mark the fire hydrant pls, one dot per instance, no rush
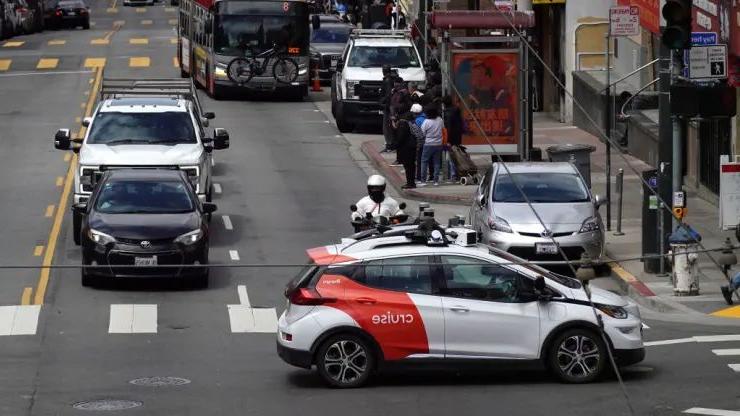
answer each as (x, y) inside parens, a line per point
(684, 243)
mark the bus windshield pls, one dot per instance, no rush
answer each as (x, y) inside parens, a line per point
(235, 34)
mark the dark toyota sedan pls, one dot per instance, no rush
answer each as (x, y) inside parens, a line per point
(327, 44)
(148, 223)
(68, 13)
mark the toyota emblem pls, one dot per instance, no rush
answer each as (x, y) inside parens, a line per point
(546, 233)
(146, 244)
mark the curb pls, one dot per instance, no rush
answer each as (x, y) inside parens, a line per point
(638, 291)
(371, 150)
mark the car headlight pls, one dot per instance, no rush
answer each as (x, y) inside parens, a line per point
(190, 238)
(499, 224)
(302, 69)
(220, 71)
(351, 89)
(100, 238)
(88, 178)
(613, 311)
(591, 224)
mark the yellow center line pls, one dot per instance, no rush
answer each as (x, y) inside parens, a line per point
(26, 297)
(49, 211)
(43, 282)
(38, 250)
(60, 181)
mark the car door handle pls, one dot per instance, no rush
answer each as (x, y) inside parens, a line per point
(366, 301)
(459, 309)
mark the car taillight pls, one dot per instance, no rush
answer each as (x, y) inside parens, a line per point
(83, 11)
(306, 296)
(59, 13)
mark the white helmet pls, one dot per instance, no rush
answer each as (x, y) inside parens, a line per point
(376, 180)
(376, 188)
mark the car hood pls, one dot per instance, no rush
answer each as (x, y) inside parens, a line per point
(145, 226)
(140, 154)
(560, 217)
(376, 74)
(601, 296)
(327, 48)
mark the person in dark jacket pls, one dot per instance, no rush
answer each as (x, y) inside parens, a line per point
(385, 101)
(454, 125)
(406, 147)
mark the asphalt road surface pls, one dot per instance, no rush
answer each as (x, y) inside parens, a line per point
(284, 186)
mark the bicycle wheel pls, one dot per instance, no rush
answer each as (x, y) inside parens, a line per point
(285, 70)
(240, 70)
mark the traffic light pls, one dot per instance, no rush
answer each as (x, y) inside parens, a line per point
(677, 32)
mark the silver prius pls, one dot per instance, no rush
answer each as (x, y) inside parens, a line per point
(562, 200)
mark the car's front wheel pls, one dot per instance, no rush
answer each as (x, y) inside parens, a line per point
(345, 361)
(578, 356)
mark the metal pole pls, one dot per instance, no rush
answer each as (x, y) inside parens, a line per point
(608, 124)
(661, 242)
(677, 143)
(665, 149)
(620, 191)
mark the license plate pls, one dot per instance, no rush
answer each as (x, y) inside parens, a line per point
(72, 13)
(333, 63)
(380, 112)
(546, 248)
(145, 261)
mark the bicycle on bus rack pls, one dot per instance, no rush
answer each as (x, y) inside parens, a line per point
(243, 69)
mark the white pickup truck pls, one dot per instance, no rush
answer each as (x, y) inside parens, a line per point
(144, 123)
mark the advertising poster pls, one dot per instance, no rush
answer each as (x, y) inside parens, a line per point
(488, 81)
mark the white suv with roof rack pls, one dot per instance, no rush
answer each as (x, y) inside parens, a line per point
(428, 293)
(357, 85)
(144, 123)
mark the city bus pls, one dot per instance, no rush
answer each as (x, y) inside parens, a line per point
(211, 33)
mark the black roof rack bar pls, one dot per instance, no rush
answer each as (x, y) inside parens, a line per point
(150, 87)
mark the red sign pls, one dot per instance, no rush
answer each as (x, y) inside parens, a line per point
(487, 82)
(649, 13)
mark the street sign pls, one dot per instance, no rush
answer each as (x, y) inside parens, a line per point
(504, 5)
(708, 62)
(624, 21)
(729, 193)
(703, 38)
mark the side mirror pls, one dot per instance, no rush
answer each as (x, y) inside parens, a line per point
(220, 139)
(340, 65)
(315, 22)
(353, 208)
(599, 200)
(209, 208)
(209, 115)
(86, 121)
(79, 208)
(204, 122)
(540, 289)
(62, 139)
(402, 205)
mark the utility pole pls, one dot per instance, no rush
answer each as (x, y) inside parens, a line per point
(608, 128)
(665, 148)
(677, 132)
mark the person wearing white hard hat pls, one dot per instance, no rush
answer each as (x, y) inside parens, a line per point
(376, 202)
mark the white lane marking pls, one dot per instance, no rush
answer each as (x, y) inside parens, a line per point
(213, 162)
(730, 351)
(711, 412)
(26, 74)
(217, 188)
(669, 342)
(234, 255)
(19, 319)
(133, 319)
(734, 367)
(243, 295)
(244, 318)
(644, 326)
(227, 222)
(700, 338)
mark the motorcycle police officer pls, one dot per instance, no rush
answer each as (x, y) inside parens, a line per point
(376, 202)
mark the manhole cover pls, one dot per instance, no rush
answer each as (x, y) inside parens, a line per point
(160, 381)
(107, 404)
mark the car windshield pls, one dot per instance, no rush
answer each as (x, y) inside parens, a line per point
(331, 34)
(168, 128)
(236, 35)
(71, 4)
(374, 56)
(144, 197)
(540, 187)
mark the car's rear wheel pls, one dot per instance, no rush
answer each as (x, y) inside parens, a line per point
(577, 356)
(345, 361)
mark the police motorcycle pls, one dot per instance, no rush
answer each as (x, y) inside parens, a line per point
(377, 208)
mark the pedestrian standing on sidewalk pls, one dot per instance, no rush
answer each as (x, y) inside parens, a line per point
(385, 102)
(432, 152)
(400, 104)
(453, 124)
(727, 291)
(416, 112)
(406, 147)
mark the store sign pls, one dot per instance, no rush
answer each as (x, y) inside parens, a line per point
(650, 17)
(624, 21)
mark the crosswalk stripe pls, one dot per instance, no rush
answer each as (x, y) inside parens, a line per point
(234, 255)
(100, 41)
(146, 22)
(47, 63)
(711, 412)
(169, 9)
(5, 64)
(734, 367)
(172, 22)
(19, 319)
(729, 351)
(138, 41)
(175, 62)
(173, 41)
(217, 188)
(141, 10)
(717, 338)
(56, 42)
(138, 61)
(133, 319)
(245, 318)
(111, 10)
(13, 44)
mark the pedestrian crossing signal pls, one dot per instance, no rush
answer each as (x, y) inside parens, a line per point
(679, 212)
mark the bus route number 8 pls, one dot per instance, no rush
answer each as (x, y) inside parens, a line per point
(286, 6)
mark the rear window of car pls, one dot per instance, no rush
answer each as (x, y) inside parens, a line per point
(71, 4)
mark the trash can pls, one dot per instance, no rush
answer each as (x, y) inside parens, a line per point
(578, 154)
(684, 243)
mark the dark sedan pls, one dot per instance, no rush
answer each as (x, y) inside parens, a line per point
(146, 223)
(68, 13)
(327, 44)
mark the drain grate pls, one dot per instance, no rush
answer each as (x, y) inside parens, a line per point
(160, 381)
(107, 404)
